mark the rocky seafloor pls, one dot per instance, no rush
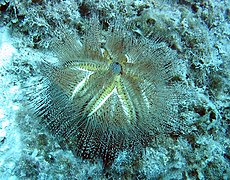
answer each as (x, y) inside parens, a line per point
(198, 30)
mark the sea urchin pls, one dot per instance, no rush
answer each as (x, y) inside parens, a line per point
(108, 92)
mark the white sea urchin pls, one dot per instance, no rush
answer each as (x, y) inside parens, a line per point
(109, 91)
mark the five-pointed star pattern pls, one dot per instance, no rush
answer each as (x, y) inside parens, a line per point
(108, 91)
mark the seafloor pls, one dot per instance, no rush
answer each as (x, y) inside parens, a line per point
(198, 30)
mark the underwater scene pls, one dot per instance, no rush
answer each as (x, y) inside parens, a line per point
(117, 89)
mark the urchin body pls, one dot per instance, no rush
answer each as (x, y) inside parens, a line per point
(109, 92)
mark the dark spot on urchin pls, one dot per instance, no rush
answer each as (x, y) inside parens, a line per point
(151, 21)
(194, 7)
(84, 9)
(116, 68)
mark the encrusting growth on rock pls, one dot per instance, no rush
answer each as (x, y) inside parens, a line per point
(109, 91)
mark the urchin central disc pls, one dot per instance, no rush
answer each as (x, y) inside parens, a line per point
(116, 68)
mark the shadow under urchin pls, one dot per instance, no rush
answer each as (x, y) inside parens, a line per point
(108, 92)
